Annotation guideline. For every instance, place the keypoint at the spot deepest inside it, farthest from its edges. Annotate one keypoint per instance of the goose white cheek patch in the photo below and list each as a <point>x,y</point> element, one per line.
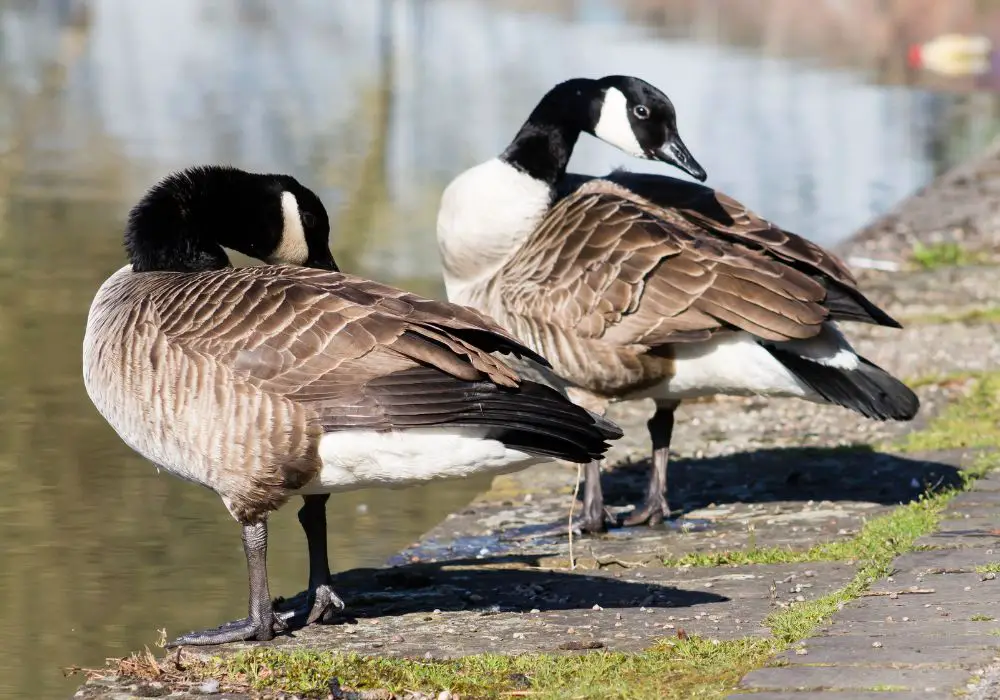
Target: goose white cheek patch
<point>614,126</point>
<point>292,249</point>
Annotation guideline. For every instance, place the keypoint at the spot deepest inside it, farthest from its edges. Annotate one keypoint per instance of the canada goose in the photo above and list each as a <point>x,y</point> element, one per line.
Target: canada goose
<point>262,383</point>
<point>638,285</point>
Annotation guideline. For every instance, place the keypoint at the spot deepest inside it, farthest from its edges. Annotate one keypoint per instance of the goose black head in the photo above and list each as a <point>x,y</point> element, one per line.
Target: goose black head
<point>184,221</point>
<point>640,119</point>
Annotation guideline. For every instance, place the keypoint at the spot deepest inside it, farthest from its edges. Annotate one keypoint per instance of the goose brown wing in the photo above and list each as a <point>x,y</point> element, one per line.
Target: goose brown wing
<point>331,341</point>
<point>631,273</point>
<point>718,212</point>
<point>722,216</point>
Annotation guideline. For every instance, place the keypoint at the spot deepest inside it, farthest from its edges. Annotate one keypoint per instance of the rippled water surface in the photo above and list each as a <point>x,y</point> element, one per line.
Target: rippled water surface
<point>376,105</point>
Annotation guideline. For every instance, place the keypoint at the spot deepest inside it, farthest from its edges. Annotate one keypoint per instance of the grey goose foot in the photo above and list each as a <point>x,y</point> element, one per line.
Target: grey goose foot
<point>325,604</point>
<point>245,630</point>
<point>653,511</point>
<point>318,604</point>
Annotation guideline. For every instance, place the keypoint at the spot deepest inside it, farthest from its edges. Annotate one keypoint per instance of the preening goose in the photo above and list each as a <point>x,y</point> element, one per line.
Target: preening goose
<point>263,383</point>
<point>637,285</point>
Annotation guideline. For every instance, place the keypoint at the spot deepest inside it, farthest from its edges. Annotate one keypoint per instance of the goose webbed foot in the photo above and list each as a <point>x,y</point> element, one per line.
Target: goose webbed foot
<point>245,630</point>
<point>318,604</point>
<point>326,603</point>
<point>653,511</point>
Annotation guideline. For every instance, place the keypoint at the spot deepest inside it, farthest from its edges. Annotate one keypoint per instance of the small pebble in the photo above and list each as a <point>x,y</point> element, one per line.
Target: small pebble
<point>877,645</point>
<point>906,619</point>
<point>210,687</point>
<point>597,607</point>
<point>397,639</point>
<point>802,652</point>
<point>519,635</point>
<point>535,610</point>
<point>893,596</point>
<point>989,576</point>
<point>437,611</point>
<point>444,695</point>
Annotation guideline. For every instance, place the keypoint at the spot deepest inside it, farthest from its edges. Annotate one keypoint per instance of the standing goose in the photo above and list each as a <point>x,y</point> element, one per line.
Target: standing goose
<point>637,285</point>
<point>263,383</point>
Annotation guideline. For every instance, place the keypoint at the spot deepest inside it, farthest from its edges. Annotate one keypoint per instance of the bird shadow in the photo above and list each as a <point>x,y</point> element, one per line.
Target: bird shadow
<point>492,585</point>
<point>849,473</point>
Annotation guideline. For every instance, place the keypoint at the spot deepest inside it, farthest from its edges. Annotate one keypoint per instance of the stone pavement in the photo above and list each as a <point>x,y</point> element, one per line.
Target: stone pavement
<point>928,631</point>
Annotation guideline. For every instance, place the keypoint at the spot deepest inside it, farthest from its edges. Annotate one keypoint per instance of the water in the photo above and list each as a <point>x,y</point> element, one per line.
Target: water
<point>375,105</point>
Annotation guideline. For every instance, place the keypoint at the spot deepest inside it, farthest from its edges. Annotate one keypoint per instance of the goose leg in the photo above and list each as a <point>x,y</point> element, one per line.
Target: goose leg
<point>594,517</point>
<point>322,599</point>
<point>261,623</point>
<point>655,509</point>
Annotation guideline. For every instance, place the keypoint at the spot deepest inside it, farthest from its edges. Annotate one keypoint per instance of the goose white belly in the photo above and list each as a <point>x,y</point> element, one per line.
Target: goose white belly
<point>355,459</point>
<point>732,364</point>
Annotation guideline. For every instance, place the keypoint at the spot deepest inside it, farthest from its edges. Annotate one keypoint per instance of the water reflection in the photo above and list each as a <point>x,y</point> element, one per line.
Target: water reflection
<point>376,105</point>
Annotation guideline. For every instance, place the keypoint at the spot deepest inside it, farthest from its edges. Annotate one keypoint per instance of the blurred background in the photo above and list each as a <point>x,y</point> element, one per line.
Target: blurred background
<point>819,115</point>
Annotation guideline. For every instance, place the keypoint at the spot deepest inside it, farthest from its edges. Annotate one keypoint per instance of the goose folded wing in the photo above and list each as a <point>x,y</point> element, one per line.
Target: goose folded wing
<point>357,354</point>
<point>614,269</point>
<point>720,214</point>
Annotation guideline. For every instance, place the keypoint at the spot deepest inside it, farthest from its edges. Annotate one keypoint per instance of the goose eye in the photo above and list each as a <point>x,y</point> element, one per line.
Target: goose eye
<point>641,111</point>
<point>308,220</point>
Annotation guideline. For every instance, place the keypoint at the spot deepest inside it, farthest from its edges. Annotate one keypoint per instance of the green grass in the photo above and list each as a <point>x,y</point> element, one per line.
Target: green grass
<point>979,617</point>
<point>929,257</point>
<point>690,668</point>
<point>881,537</point>
<point>971,422</point>
<point>991,568</point>
<point>989,314</point>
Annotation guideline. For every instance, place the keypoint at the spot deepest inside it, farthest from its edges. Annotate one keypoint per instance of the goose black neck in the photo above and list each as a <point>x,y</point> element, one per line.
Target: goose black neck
<point>543,146</point>
<point>183,222</point>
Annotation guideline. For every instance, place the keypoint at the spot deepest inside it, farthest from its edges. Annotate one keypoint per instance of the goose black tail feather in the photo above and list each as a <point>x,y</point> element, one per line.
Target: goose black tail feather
<point>867,389</point>
<point>533,418</point>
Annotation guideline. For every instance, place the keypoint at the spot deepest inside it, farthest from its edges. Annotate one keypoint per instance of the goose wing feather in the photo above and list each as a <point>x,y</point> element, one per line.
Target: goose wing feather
<point>324,340</point>
<point>618,268</point>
